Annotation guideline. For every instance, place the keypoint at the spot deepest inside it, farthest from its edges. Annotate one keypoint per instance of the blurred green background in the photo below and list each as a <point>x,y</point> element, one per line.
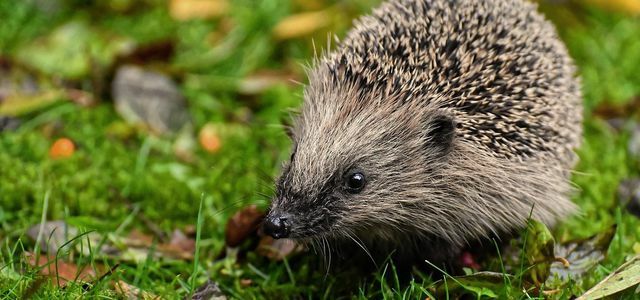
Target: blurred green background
<point>237,65</point>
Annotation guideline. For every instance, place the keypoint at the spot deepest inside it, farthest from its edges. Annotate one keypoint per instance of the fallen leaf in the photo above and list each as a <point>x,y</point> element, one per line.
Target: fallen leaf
<point>209,291</point>
<point>261,81</point>
<point>81,97</point>
<point>157,51</point>
<point>301,24</point>
<point>277,249</point>
<point>246,282</point>
<point>19,104</point>
<point>132,292</point>
<point>149,97</point>
<point>138,245</point>
<point>22,104</point>
<point>136,238</point>
<point>582,255</point>
<point>53,234</point>
<point>242,224</point>
<point>631,7</point>
<point>608,111</point>
<point>629,189</point>
<point>190,230</point>
<point>625,277</point>
<point>184,144</point>
<point>180,246</point>
<point>183,10</point>
<point>61,272</point>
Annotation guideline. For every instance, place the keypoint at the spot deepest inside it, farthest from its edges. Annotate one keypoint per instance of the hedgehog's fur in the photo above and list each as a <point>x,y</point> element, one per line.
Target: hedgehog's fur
<point>463,115</point>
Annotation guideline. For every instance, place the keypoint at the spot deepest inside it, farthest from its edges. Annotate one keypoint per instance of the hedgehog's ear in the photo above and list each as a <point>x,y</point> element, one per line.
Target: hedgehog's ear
<point>440,132</point>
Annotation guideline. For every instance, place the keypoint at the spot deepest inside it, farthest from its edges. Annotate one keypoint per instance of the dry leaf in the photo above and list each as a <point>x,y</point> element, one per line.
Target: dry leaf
<point>183,147</point>
<point>183,10</point>
<point>243,223</point>
<point>17,105</point>
<point>582,255</point>
<point>136,238</point>
<point>631,7</point>
<point>54,234</point>
<point>180,246</point>
<point>209,291</point>
<point>132,292</point>
<point>81,97</point>
<point>301,24</point>
<point>625,277</point>
<point>245,282</point>
<point>260,81</point>
<point>59,271</point>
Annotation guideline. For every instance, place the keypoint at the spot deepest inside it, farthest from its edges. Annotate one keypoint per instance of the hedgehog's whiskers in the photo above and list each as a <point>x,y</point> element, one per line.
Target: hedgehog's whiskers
<point>359,242</point>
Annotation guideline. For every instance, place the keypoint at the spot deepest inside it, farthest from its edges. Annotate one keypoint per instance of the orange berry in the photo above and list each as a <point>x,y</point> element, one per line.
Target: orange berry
<point>62,148</point>
<point>209,139</point>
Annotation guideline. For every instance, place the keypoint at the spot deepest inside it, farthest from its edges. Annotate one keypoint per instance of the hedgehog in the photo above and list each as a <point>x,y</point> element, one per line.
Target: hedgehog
<point>432,125</point>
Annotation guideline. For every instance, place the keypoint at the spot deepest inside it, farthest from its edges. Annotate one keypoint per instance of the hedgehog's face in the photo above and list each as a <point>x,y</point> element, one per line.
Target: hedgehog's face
<point>355,173</point>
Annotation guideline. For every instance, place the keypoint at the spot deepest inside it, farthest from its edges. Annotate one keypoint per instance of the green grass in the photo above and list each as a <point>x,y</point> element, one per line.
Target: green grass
<point>114,177</point>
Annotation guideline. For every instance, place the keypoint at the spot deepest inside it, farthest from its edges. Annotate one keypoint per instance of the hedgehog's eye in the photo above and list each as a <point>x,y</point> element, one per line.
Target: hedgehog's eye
<point>355,182</point>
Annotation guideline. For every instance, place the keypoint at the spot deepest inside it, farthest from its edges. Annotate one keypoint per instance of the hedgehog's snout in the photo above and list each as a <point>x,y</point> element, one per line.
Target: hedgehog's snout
<point>277,225</point>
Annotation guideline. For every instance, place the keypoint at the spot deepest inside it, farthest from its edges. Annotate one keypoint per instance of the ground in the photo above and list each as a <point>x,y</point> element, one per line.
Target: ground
<point>122,178</point>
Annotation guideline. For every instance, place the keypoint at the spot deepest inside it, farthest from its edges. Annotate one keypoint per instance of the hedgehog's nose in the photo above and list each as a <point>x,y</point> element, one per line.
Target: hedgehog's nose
<point>277,226</point>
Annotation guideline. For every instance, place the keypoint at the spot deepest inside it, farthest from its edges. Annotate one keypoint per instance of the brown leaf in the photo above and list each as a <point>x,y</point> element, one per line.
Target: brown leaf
<point>190,230</point>
<point>582,255</point>
<point>53,234</point>
<point>209,291</point>
<point>137,238</point>
<point>180,240</point>
<point>260,81</point>
<point>180,246</point>
<point>158,51</point>
<point>631,7</point>
<point>301,24</point>
<point>61,272</point>
<point>243,223</point>
<point>245,282</point>
<point>146,96</point>
<point>183,10</point>
<point>81,97</point>
<point>608,110</point>
<point>277,249</point>
<point>132,292</point>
